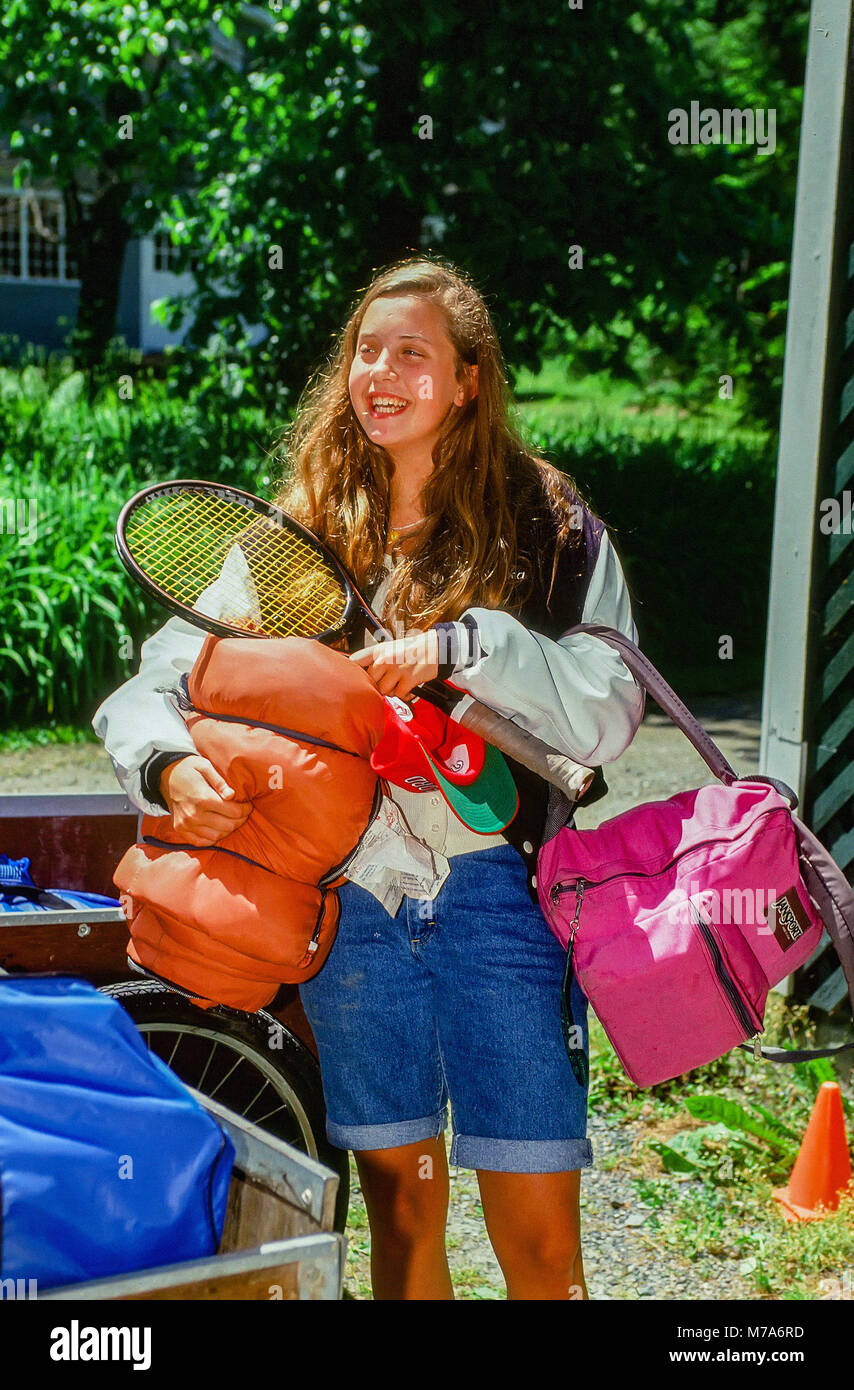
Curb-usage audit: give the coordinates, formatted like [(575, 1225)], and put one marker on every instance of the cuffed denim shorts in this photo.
[(456, 999)]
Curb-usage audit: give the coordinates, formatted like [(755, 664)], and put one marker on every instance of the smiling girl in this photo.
[(480, 556), (404, 461)]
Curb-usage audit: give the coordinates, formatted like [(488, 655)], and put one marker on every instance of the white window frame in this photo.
[(22, 195), (158, 234)]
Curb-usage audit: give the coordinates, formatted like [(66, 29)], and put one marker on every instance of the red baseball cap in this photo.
[(423, 750)]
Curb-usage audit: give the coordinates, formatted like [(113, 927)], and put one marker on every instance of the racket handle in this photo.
[(558, 769)]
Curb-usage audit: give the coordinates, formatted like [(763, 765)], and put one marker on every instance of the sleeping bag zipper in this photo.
[(333, 873)]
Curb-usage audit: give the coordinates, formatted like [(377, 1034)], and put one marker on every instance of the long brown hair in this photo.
[(489, 505)]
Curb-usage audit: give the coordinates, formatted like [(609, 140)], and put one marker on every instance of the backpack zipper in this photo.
[(566, 885), (727, 982), (724, 977)]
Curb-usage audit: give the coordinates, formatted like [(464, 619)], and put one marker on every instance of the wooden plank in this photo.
[(834, 735), (308, 1267), (833, 800), (266, 1282), (99, 955), (807, 414), (77, 849), (298, 1180), (76, 804), (255, 1215), (830, 992)]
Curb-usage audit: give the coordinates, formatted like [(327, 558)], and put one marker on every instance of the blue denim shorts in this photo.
[(456, 999)]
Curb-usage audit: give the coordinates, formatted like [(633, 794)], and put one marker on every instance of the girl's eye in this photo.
[(366, 347)]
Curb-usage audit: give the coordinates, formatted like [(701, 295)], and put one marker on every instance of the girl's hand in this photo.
[(397, 667), (202, 803)]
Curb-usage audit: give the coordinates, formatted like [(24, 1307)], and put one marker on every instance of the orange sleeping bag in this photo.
[(231, 922)]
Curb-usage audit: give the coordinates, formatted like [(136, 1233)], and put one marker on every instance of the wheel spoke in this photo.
[(209, 1053), (270, 1113), (201, 1081), (225, 1078), (257, 1094)]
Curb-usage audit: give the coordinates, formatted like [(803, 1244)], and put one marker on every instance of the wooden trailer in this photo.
[(278, 1240), (257, 1074)]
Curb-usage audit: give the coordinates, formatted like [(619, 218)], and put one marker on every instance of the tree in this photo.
[(341, 137), (110, 103), (502, 139)]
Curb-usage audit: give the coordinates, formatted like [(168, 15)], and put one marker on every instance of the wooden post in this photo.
[(808, 695)]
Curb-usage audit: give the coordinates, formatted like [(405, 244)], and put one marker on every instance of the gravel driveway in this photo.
[(621, 1262)]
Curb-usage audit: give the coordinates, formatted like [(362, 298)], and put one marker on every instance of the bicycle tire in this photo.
[(200, 1045)]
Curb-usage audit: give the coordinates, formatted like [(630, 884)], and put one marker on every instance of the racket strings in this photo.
[(183, 540)]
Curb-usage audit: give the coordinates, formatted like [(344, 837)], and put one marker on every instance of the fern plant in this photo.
[(747, 1137)]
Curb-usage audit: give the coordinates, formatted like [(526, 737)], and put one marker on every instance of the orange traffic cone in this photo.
[(822, 1168)]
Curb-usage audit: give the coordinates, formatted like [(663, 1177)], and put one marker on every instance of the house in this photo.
[(38, 286), (808, 694)]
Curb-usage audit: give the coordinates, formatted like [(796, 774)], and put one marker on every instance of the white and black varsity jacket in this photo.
[(576, 694)]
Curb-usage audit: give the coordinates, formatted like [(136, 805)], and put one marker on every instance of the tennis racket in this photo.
[(197, 546)]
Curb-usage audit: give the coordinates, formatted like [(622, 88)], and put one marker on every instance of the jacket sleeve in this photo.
[(140, 719), (576, 694)]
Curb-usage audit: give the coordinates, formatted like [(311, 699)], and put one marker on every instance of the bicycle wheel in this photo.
[(250, 1063)]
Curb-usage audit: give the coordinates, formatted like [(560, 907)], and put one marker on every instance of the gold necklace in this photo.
[(395, 532)]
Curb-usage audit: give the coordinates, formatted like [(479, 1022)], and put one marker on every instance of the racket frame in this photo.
[(354, 602)]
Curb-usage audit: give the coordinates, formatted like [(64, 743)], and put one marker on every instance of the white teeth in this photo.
[(388, 405)]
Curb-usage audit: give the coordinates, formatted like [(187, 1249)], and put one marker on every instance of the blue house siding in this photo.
[(128, 315), (31, 309)]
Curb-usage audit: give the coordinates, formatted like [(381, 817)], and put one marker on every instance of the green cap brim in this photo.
[(486, 805)]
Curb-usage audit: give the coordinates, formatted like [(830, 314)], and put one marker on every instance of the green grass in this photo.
[(728, 1210), (559, 397), (43, 736)]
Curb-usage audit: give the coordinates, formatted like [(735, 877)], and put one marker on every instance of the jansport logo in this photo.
[(76, 1343), (789, 919)]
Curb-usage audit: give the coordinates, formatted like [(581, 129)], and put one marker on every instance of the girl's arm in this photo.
[(139, 723), (576, 694), (140, 720)]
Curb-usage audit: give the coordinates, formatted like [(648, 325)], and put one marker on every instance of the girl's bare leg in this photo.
[(406, 1193), (533, 1221)]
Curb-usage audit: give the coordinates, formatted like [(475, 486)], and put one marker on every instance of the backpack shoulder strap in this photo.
[(796, 1054)]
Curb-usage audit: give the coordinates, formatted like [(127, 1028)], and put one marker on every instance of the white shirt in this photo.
[(428, 814)]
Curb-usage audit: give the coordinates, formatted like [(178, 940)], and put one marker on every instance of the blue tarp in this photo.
[(107, 1163), (18, 892)]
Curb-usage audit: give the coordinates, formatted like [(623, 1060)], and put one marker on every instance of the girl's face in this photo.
[(402, 380)]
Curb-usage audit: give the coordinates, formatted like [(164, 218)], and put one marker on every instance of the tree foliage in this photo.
[(295, 150)]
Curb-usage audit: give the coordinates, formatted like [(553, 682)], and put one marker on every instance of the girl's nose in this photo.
[(383, 363)]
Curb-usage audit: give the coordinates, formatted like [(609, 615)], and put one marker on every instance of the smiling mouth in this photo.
[(383, 406)]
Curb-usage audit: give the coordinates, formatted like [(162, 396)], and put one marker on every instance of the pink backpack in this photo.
[(678, 916)]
